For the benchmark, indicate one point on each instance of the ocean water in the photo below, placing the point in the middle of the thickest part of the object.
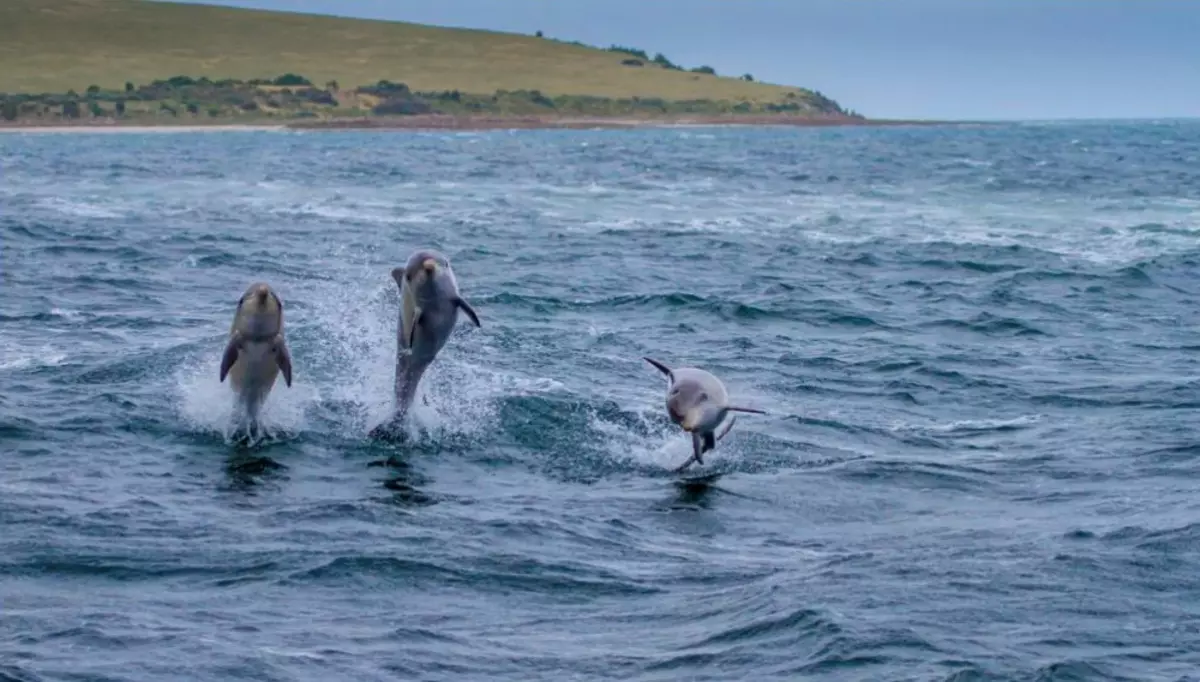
(977, 348)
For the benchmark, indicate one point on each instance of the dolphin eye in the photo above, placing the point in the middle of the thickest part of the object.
(704, 396)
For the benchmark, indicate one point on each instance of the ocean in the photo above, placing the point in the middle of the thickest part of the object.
(976, 347)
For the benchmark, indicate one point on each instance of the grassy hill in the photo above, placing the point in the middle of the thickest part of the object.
(56, 46)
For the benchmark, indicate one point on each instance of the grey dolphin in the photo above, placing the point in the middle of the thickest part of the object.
(698, 403)
(256, 351)
(429, 306)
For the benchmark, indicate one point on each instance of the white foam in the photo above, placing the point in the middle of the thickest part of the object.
(208, 404)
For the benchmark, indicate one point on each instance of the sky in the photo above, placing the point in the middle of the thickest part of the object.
(942, 59)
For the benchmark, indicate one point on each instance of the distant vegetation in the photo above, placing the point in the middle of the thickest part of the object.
(130, 51)
(292, 96)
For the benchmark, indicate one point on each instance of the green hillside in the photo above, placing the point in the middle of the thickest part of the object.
(139, 58)
(56, 45)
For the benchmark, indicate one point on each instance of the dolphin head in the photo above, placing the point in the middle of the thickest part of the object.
(259, 312)
(691, 407)
(429, 275)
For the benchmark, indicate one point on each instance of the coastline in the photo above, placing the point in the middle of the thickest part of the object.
(431, 122)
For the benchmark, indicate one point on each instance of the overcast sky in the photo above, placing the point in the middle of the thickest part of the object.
(1030, 59)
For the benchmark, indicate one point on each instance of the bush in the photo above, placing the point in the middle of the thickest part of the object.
(705, 69)
(630, 50)
(120, 107)
(214, 112)
(128, 86)
(747, 77)
(291, 79)
(538, 34)
(10, 110)
(401, 106)
(93, 89)
(661, 60)
(70, 109)
(384, 88)
(317, 96)
(192, 108)
(332, 86)
(632, 62)
(96, 109)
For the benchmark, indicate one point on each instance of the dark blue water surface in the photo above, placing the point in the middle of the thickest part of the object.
(977, 346)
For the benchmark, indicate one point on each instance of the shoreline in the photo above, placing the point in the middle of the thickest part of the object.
(430, 122)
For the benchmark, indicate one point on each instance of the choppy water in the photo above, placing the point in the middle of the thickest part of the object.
(977, 346)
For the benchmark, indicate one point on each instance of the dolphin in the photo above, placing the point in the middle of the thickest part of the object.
(698, 403)
(256, 352)
(429, 305)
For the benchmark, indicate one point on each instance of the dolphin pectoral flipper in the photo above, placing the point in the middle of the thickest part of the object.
(661, 367)
(412, 330)
(734, 408)
(709, 442)
(466, 308)
(230, 356)
(283, 358)
(728, 427)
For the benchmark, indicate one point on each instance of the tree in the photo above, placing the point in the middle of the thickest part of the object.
(538, 34)
(93, 90)
(120, 106)
(128, 86)
(747, 77)
(10, 110)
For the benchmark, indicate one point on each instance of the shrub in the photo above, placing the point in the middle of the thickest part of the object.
(332, 86)
(661, 60)
(630, 50)
(538, 34)
(317, 96)
(214, 112)
(401, 106)
(705, 69)
(291, 79)
(9, 111)
(70, 109)
(120, 107)
(192, 108)
(128, 86)
(93, 89)
(96, 109)
(747, 77)
(632, 62)
(384, 88)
